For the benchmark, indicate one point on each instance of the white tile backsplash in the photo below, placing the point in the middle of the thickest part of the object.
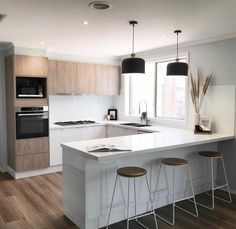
(79, 107)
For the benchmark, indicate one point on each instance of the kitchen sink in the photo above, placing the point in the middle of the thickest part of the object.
(135, 124)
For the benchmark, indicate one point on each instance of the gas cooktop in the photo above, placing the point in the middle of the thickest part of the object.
(69, 123)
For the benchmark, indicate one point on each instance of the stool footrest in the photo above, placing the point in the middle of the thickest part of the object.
(141, 215)
(167, 221)
(195, 215)
(219, 198)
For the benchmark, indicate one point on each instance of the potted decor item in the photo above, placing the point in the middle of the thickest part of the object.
(198, 95)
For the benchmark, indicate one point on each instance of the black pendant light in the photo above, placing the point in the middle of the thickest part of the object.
(177, 68)
(133, 65)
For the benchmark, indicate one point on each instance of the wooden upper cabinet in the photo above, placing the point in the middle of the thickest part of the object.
(86, 78)
(31, 66)
(52, 77)
(83, 78)
(98, 79)
(101, 79)
(66, 77)
(62, 77)
(114, 80)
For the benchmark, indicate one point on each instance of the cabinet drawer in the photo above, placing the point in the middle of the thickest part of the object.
(32, 146)
(31, 162)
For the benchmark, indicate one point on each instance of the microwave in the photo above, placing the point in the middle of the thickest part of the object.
(30, 87)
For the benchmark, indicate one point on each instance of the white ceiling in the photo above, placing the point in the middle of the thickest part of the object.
(58, 24)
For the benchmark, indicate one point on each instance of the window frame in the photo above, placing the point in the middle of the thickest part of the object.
(160, 120)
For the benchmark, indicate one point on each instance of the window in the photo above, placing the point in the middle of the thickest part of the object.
(166, 96)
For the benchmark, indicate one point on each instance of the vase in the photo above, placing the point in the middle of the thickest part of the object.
(196, 120)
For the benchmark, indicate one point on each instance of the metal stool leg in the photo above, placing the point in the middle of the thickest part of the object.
(227, 183)
(213, 188)
(150, 199)
(128, 205)
(193, 196)
(158, 176)
(174, 200)
(222, 186)
(136, 217)
(173, 205)
(113, 194)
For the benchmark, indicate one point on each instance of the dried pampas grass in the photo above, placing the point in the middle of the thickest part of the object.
(197, 96)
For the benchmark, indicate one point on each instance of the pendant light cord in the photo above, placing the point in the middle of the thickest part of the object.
(133, 42)
(133, 23)
(177, 46)
(177, 33)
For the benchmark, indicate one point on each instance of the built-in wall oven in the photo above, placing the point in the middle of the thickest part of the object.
(31, 122)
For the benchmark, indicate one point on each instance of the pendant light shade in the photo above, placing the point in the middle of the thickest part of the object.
(133, 65)
(177, 68)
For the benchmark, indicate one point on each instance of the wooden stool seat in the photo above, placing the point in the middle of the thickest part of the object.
(174, 161)
(131, 171)
(210, 154)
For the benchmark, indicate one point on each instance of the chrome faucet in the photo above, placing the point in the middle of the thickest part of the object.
(144, 115)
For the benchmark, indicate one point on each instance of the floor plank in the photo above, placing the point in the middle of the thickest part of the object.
(36, 203)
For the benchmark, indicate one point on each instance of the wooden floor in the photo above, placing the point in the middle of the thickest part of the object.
(37, 203)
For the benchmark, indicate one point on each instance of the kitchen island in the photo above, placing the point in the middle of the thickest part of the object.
(88, 178)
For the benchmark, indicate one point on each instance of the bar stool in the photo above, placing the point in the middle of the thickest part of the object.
(215, 155)
(132, 173)
(174, 162)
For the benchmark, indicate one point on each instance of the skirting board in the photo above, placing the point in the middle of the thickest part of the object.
(32, 173)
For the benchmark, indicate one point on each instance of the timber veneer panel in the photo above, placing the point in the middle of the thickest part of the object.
(10, 108)
(31, 102)
(83, 78)
(32, 161)
(114, 80)
(66, 78)
(62, 77)
(32, 146)
(32, 153)
(31, 66)
(21, 153)
(86, 78)
(52, 77)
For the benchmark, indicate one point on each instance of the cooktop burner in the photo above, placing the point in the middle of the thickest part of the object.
(80, 122)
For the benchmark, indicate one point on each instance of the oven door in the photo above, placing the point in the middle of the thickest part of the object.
(31, 124)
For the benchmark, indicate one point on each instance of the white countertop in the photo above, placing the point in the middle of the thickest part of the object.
(162, 138)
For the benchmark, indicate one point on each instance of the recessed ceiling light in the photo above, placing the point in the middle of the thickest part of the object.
(2, 17)
(42, 43)
(100, 5)
(85, 22)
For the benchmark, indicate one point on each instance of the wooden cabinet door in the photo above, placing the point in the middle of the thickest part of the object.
(32, 154)
(66, 78)
(113, 80)
(52, 77)
(31, 66)
(101, 79)
(86, 78)
(107, 79)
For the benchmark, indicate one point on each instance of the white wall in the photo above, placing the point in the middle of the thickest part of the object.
(218, 58)
(3, 126)
(84, 107)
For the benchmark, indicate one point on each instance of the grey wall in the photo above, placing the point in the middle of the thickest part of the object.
(5, 51)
